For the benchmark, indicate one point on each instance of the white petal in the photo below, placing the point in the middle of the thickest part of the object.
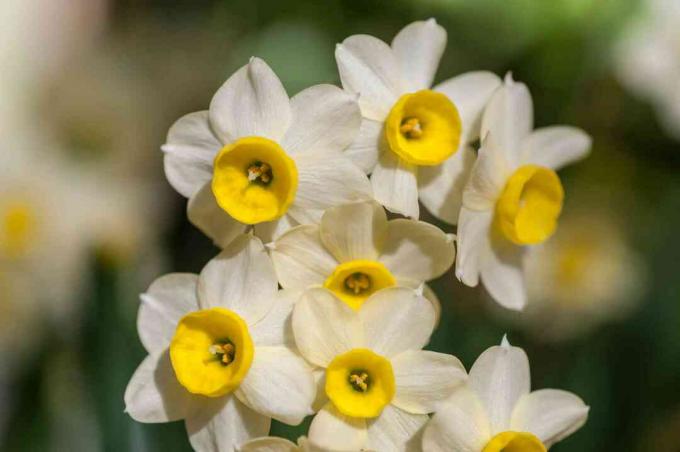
(418, 47)
(325, 118)
(550, 414)
(268, 444)
(502, 273)
(204, 213)
(279, 384)
(417, 250)
(369, 69)
(500, 377)
(488, 176)
(459, 425)
(240, 278)
(396, 319)
(154, 394)
(395, 185)
(324, 327)
(440, 187)
(223, 424)
(354, 231)
(166, 301)
(364, 151)
(300, 259)
(271, 230)
(470, 92)
(252, 102)
(509, 117)
(332, 430)
(555, 147)
(424, 379)
(396, 430)
(275, 328)
(327, 180)
(474, 229)
(189, 153)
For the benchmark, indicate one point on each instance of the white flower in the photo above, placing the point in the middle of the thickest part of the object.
(496, 411)
(273, 444)
(379, 383)
(220, 353)
(258, 158)
(355, 252)
(513, 197)
(413, 139)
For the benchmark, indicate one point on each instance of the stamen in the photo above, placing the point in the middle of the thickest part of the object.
(411, 128)
(225, 351)
(260, 172)
(358, 282)
(359, 381)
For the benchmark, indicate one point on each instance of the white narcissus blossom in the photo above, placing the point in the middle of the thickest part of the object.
(414, 139)
(355, 252)
(513, 197)
(496, 411)
(220, 352)
(379, 384)
(258, 158)
(273, 444)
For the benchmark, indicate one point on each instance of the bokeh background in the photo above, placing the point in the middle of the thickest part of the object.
(88, 89)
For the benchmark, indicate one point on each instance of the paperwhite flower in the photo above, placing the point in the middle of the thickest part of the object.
(513, 197)
(273, 444)
(260, 159)
(355, 252)
(413, 139)
(496, 411)
(220, 352)
(379, 384)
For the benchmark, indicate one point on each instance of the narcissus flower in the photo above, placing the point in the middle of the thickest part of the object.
(220, 352)
(355, 252)
(495, 411)
(273, 444)
(258, 158)
(514, 197)
(379, 384)
(413, 138)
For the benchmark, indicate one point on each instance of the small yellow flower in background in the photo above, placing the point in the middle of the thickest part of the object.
(220, 352)
(496, 411)
(513, 198)
(378, 383)
(273, 444)
(415, 140)
(259, 158)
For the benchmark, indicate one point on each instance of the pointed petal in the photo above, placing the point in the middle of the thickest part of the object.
(555, 147)
(332, 430)
(488, 176)
(206, 215)
(502, 273)
(474, 230)
(395, 185)
(418, 47)
(396, 430)
(364, 151)
(354, 231)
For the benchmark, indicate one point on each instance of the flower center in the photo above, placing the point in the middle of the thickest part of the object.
(254, 180)
(360, 383)
(423, 128)
(17, 227)
(354, 281)
(211, 351)
(530, 204)
(514, 442)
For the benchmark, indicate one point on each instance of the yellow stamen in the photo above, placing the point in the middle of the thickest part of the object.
(261, 171)
(354, 281)
(358, 282)
(358, 381)
(411, 128)
(227, 352)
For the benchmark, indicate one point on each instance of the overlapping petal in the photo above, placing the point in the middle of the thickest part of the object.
(204, 213)
(275, 328)
(354, 231)
(555, 147)
(502, 273)
(395, 185)
(474, 229)
(332, 430)
(365, 149)
(418, 47)
(396, 430)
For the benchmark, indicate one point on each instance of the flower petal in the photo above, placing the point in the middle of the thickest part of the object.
(279, 384)
(206, 215)
(488, 176)
(396, 319)
(424, 379)
(325, 118)
(500, 377)
(502, 273)
(417, 250)
(332, 430)
(275, 328)
(324, 326)
(154, 394)
(555, 147)
(354, 231)
(395, 185)
(550, 414)
(240, 278)
(418, 47)
(364, 151)
(189, 153)
(268, 444)
(252, 102)
(163, 304)
(474, 230)
(396, 430)
(369, 69)
(271, 230)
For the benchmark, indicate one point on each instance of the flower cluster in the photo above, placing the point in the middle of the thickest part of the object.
(317, 303)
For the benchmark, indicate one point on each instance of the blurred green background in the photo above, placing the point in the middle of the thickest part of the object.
(149, 62)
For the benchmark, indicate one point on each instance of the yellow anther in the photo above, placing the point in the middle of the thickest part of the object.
(358, 381)
(411, 128)
(225, 350)
(261, 171)
(358, 282)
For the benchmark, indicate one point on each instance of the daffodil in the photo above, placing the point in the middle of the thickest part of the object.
(355, 252)
(414, 138)
(514, 197)
(273, 444)
(379, 384)
(258, 158)
(220, 352)
(495, 411)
